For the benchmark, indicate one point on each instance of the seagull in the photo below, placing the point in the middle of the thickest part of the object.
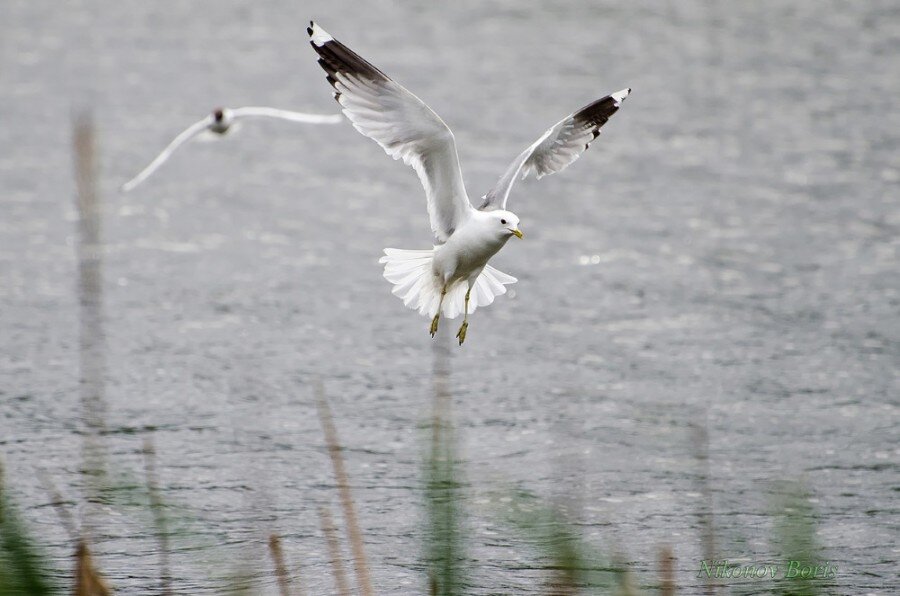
(219, 122)
(454, 276)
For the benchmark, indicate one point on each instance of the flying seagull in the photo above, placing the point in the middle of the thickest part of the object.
(219, 122)
(454, 276)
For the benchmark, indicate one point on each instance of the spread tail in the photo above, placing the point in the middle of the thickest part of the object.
(416, 284)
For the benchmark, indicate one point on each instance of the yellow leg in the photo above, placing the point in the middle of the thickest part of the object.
(461, 334)
(434, 321)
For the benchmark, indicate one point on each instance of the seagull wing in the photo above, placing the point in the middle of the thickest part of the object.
(182, 138)
(402, 124)
(287, 115)
(557, 148)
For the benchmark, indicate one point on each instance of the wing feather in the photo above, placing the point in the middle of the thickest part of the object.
(289, 115)
(402, 124)
(183, 137)
(557, 148)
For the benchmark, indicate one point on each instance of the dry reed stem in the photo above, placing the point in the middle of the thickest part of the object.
(360, 562)
(91, 352)
(89, 251)
(87, 581)
(281, 573)
(561, 583)
(666, 571)
(334, 551)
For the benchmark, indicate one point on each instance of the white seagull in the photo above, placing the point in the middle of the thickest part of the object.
(453, 277)
(219, 122)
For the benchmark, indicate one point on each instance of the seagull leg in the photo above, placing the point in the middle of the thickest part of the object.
(461, 334)
(434, 321)
(434, 324)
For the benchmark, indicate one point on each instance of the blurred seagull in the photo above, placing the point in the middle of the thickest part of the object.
(219, 122)
(453, 277)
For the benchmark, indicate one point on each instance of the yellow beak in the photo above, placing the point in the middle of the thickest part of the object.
(518, 233)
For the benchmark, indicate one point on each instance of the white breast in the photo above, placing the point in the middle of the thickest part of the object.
(468, 249)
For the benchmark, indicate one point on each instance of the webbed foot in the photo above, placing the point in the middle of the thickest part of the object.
(461, 334)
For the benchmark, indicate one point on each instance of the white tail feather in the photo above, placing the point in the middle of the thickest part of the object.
(416, 284)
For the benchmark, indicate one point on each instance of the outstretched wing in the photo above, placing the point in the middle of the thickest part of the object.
(182, 138)
(557, 148)
(287, 115)
(402, 124)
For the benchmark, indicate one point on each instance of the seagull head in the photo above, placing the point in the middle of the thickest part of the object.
(506, 223)
(222, 119)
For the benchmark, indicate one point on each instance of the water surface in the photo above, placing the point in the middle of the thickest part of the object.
(723, 258)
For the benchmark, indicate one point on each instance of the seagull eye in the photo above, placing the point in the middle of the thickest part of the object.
(503, 221)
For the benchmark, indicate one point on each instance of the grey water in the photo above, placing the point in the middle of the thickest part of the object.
(722, 262)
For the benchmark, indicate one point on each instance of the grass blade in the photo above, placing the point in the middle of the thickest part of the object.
(795, 541)
(574, 565)
(700, 447)
(159, 517)
(22, 568)
(443, 485)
